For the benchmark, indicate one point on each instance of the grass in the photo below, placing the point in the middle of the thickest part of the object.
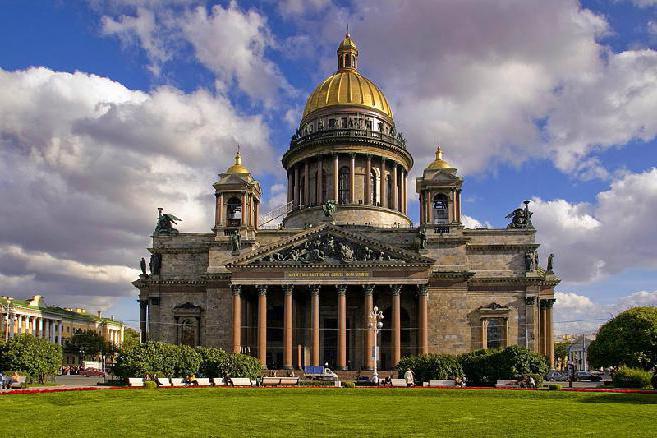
(223, 412)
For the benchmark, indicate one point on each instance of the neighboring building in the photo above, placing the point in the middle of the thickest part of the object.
(301, 294)
(53, 323)
(577, 353)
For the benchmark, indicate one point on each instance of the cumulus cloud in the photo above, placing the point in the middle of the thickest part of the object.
(84, 164)
(595, 240)
(574, 314)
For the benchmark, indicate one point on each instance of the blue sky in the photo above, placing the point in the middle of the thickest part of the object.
(549, 101)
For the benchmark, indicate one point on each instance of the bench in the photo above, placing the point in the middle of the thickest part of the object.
(289, 381)
(442, 382)
(177, 381)
(218, 381)
(20, 383)
(135, 381)
(241, 381)
(203, 381)
(163, 381)
(271, 381)
(399, 382)
(513, 383)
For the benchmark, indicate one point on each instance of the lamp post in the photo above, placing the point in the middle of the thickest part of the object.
(376, 323)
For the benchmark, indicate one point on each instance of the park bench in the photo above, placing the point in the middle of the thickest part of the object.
(271, 381)
(135, 381)
(289, 381)
(203, 381)
(20, 383)
(177, 381)
(398, 382)
(241, 381)
(442, 382)
(513, 383)
(218, 381)
(163, 381)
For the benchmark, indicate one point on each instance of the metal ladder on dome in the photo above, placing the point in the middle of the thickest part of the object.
(274, 214)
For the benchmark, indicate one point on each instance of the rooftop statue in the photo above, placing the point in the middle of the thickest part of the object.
(521, 217)
(165, 223)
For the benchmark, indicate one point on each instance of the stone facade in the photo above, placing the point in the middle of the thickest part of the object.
(301, 293)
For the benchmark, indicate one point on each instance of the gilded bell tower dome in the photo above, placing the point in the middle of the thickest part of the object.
(347, 150)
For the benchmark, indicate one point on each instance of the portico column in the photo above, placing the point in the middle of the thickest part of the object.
(287, 329)
(342, 327)
(296, 185)
(41, 332)
(320, 177)
(423, 291)
(548, 330)
(541, 323)
(61, 332)
(142, 319)
(396, 323)
(315, 323)
(382, 182)
(395, 188)
(262, 325)
(368, 305)
(336, 169)
(352, 180)
(368, 173)
(51, 330)
(237, 318)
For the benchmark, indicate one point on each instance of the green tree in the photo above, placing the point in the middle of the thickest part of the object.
(36, 357)
(90, 341)
(130, 338)
(561, 352)
(629, 339)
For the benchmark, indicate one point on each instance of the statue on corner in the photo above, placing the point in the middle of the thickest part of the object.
(521, 217)
(422, 236)
(165, 223)
(142, 266)
(235, 242)
(155, 263)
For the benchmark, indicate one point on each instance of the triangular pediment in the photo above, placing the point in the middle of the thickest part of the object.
(329, 245)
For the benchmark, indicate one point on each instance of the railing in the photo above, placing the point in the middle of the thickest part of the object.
(337, 133)
(274, 214)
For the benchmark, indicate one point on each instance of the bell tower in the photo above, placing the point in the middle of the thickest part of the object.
(439, 188)
(238, 197)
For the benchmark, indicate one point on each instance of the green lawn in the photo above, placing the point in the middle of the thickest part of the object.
(326, 412)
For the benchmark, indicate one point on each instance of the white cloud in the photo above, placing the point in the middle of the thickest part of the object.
(294, 8)
(84, 164)
(470, 222)
(574, 314)
(592, 241)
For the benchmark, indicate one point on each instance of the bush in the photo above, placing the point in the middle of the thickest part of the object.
(35, 357)
(427, 367)
(626, 377)
(149, 384)
(653, 381)
(216, 362)
(554, 387)
(348, 385)
(486, 367)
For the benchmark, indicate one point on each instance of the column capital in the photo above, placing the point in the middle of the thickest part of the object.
(288, 288)
(262, 289)
(314, 289)
(368, 289)
(342, 289)
(396, 289)
(236, 289)
(423, 289)
(530, 301)
(548, 303)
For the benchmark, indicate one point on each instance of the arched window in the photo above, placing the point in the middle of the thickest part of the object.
(494, 333)
(374, 187)
(440, 209)
(343, 185)
(234, 212)
(389, 191)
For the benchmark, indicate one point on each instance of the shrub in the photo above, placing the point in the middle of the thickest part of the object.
(554, 387)
(37, 358)
(348, 384)
(626, 377)
(653, 381)
(216, 362)
(427, 367)
(149, 384)
(486, 367)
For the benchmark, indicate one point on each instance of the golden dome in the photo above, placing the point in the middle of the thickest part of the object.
(439, 163)
(347, 86)
(237, 167)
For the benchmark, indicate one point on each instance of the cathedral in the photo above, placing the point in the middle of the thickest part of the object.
(302, 292)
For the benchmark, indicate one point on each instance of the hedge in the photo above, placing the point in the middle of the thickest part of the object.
(486, 367)
(170, 360)
(626, 377)
(431, 367)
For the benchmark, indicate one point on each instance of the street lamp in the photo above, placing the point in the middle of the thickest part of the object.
(376, 323)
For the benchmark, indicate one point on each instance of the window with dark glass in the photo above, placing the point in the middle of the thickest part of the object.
(234, 212)
(440, 209)
(494, 333)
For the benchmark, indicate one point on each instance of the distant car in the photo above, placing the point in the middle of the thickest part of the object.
(90, 372)
(554, 376)
(583, 376)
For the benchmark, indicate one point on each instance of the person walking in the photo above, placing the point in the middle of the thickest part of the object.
(409, 377)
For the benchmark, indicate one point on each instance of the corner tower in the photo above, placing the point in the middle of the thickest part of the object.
(439, 188)
(348, 150)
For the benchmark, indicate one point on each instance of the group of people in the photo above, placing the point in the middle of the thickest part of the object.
(6, 382)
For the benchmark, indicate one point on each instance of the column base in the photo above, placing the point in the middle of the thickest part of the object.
(288, 367)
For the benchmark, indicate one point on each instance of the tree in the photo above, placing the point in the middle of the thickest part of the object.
(36, 357)
(561, 353)
(629, 339)
(90, 341)
(130, 338)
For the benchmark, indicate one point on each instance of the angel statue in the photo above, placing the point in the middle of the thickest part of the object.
(165, 223)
